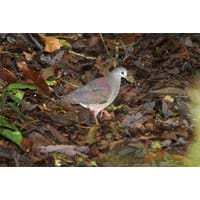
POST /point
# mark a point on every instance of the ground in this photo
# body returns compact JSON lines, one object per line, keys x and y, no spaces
{"x":151,"y":122}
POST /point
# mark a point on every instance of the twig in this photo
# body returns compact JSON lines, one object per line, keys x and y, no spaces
{"x":82,"y":55}
{"x":101,"y":36}
{"x":35,"y":41}
{"x":73,"y":85}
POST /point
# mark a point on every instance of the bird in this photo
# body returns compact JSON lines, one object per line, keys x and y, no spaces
{"x":97,"y":94}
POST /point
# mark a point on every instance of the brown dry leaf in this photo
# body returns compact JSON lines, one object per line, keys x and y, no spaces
{"x":129,"y":39}
{"x":28,"y":56}
{"x":51,"y":43}
{"x":182,"y":53}
{"x":47,"y":72}
{"x":102,"y":66}
{"x":149,"y":126}
{"x":34,"y":76}
{"x":169,"y":136}
{"x":7,"y":75}
{"x":57,"y":134}
{"x":151,"y":156}
{"x":86,"y":43}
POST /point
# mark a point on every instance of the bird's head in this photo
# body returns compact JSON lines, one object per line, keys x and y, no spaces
{"x":120,"y":71}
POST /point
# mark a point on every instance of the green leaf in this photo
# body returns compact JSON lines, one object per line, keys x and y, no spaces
{"x":64,"y":43}
{"x":4,"y":123}
{"x":10,"y":131}
{"x":14,"y":98}
{"x":15,"y":107}
{"x":51,"y":83}
{"x":21,"y":86}
{"x":14,"y":136}
{"x":20,"y":95}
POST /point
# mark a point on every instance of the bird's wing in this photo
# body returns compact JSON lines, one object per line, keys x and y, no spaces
{"x":97,"y":91}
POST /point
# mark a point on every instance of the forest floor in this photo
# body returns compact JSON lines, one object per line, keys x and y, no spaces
{"x":151,"y":123}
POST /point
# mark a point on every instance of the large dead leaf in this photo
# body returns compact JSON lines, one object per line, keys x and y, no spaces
{"x":35,"y":77}
{"x":51,"y":43}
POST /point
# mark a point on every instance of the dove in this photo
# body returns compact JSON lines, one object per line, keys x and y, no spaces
{"x":97,"y":94}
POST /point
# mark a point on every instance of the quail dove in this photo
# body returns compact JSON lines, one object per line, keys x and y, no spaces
{"x":97,"y":94}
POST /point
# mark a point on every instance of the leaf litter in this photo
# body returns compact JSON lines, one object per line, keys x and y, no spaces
{"x":151,"y":124}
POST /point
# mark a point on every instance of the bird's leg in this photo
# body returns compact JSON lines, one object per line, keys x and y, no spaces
{"x":95,"y":118}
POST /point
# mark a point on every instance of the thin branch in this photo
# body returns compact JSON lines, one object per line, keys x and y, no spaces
{"x":35,"y":41}
{"x":101,"y":36}
{"x":82,"y":55}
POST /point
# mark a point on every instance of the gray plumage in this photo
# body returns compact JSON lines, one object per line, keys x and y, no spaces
{"x":99,"y":93}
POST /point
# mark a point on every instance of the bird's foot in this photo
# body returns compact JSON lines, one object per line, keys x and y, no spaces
{"x":95,"y":118}
{"x":107,"y":114}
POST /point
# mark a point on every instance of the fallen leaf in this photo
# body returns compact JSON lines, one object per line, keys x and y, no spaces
{"x":169,"y":136}
{"x":7,"y":75}
{"x":28,"y":56}
{"x":133,"y":120}
{"x":149,"y":126}
{"x":152,"y":157}
{"x":57,"y":134}
{"x":51,"y":43}
{"x":10,"y":131}
{"x":47,"y":72}
{"x":34,"y":76}
{"x":57,"y":57}
{"x":92,"y":134}
{"x":166,"y":111}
